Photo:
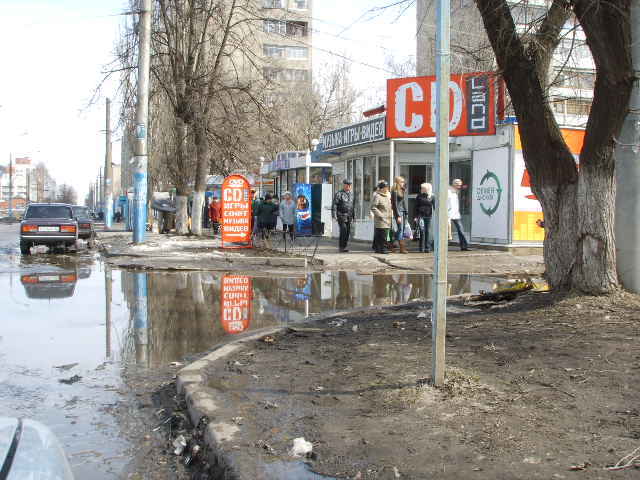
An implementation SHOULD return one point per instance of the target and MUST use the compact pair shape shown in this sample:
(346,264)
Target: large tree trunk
(182,189)
(578,202)
(202,164)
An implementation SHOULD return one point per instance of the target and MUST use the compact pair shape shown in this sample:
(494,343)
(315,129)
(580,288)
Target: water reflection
(174,315)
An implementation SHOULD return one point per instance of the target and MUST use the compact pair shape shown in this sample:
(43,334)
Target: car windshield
(81,212)
(48,211)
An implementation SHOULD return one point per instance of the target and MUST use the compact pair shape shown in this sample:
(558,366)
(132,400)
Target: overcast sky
(53,52)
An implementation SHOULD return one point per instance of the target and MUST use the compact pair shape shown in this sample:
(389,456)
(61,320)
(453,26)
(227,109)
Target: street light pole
(10,185)
(108,173)
(142,113)
(439,312)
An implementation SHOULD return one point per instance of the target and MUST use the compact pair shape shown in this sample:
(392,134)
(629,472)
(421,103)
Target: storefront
(290,168)
(497,204)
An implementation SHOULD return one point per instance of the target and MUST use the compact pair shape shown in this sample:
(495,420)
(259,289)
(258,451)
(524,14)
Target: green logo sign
(489,193)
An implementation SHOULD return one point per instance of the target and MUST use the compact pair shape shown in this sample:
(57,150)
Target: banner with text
(236,303)
(411,106)
(236,212)
(358,134)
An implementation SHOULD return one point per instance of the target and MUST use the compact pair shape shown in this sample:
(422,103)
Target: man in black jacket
(343,212)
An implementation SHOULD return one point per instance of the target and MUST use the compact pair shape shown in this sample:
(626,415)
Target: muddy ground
(535,389)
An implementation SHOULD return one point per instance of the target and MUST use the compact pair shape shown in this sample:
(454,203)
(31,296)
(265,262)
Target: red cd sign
(236,212)
(236,303)
(411,105)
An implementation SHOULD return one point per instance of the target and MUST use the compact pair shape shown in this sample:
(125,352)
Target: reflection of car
(28,449)
(48,285)
(85,224)
(50,224)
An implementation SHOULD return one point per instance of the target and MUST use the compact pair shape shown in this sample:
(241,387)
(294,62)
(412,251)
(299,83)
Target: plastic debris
(180,443)
(192,454)
(71,380)
(301,448)
(268,339)
(422,315)
(176,364)
(39,249)
(396,472)
(354,328)
(579,467)
(68,366)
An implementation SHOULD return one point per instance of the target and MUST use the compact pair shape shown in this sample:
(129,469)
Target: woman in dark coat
(425,203)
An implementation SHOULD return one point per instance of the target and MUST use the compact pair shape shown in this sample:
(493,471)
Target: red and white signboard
(236,303)
(411,105)
(236,212)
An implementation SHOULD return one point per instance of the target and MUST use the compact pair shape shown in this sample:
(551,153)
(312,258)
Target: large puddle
(62,316)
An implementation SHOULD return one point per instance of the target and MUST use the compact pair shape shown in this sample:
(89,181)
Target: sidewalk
(535,390)
(204,253)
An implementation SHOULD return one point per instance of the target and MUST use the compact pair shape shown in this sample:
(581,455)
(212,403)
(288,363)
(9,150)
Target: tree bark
(202,169)
(182,215)
(578,203)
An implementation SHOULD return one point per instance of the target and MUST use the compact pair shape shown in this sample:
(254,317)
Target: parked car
(30,450)
(50,224)
(86,230)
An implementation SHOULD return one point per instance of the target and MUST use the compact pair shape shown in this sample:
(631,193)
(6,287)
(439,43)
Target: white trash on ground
(39,249)
(301,448)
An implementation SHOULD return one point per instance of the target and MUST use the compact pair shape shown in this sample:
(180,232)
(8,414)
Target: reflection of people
(382,216)
(423,212)
(453,209)
(215,214)
(343,213)
(303,203)
(399,204)
(288,213)
(344,299)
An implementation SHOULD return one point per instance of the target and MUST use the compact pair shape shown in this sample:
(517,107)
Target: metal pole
(108,173)
(10,185)
(142,112)
(627,225)
(439,314)
(108,284)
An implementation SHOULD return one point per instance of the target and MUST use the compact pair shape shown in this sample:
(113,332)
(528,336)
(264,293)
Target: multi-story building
(572,72)
(22,179)
(284,41)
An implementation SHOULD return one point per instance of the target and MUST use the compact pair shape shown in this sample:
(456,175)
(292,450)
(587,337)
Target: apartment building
(572,73)
(22,178)
(284,40)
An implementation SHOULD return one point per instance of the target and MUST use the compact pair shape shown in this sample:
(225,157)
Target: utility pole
(10,185)
(627,226)
(100,191)
(28,173)
(439,304)
(142,113)
(108,174)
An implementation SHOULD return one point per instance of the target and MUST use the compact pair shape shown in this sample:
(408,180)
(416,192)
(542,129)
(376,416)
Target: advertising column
(236,303)
(236,212)
(302,194)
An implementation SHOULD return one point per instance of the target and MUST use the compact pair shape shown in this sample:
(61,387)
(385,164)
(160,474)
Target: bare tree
(67,194)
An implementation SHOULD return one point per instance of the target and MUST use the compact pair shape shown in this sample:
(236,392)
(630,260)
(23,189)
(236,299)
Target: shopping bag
(408,232)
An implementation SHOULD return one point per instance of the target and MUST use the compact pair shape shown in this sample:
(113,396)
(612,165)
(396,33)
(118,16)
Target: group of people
(390,212)
(265,213)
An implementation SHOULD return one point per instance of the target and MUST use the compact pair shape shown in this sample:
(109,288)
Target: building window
(296,29)
(300,4)
(357,188)
(578,106)
(272,3)
(368,184)
(275,26)
(383,169)
(274,51)
(297,53)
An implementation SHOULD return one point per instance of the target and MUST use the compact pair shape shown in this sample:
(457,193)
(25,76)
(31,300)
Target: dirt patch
(542,387)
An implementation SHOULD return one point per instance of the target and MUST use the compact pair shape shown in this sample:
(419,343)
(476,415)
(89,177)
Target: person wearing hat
(267,217)
(343,212)
(382,216)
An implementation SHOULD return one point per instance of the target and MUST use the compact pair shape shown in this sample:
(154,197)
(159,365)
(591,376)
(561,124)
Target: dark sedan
(50,224)
(86,230)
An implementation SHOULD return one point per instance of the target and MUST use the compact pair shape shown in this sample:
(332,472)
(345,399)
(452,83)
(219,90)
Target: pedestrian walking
(343,213)
(215,214)
(399,205)
(382,216)
(288,214)
(425,202)
(267,218)
(453,210)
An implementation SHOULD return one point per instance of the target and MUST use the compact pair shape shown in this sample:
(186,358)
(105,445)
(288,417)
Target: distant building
(572,72)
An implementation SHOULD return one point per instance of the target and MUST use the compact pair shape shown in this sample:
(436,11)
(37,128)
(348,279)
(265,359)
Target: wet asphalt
(73,331)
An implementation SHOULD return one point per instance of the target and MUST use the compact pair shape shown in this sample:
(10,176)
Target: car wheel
(91,243)
(25,248)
